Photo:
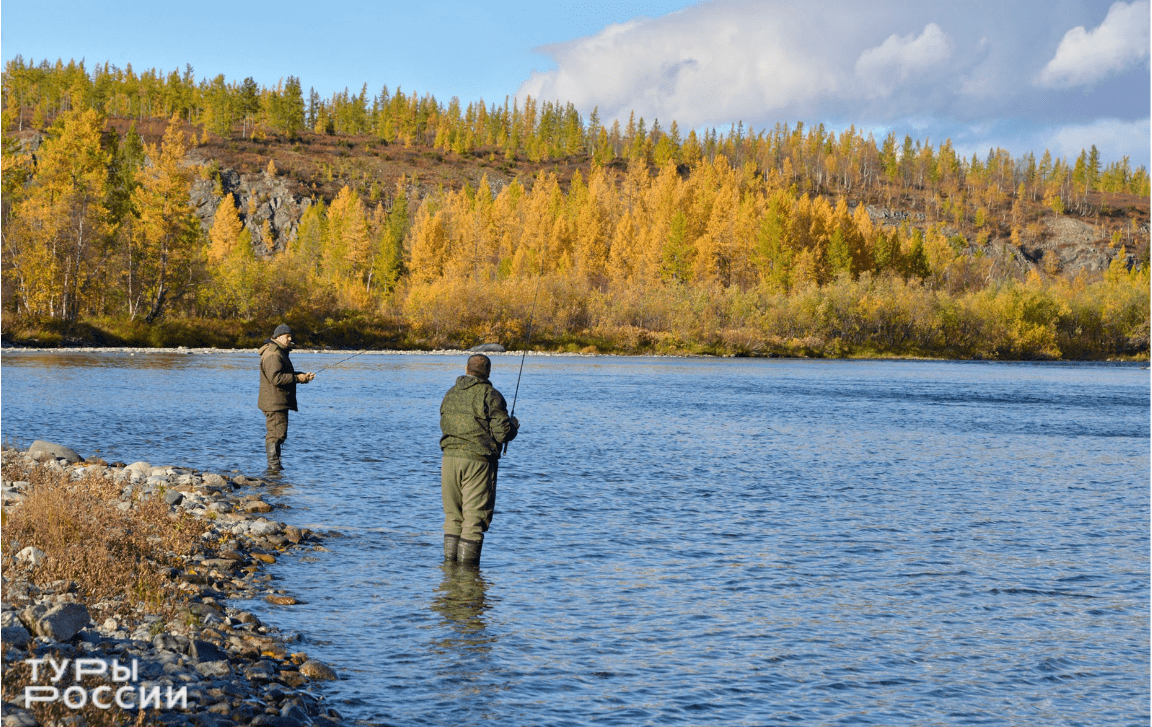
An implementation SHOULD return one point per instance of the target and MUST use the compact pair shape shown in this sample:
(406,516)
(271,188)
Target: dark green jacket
(474,420)
(277,379)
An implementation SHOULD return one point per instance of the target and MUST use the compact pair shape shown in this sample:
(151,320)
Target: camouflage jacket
(474,420)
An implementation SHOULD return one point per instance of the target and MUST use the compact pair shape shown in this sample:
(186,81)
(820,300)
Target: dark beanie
(280,330)
(479,366)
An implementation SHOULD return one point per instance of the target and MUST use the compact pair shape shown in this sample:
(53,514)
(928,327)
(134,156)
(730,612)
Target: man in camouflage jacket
(475,425)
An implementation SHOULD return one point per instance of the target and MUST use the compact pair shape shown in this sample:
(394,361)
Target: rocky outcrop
(1064,244)
(1070,246)
(259,198)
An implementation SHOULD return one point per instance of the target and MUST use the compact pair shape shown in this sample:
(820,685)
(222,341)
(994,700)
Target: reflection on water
(461,601)
(684,541)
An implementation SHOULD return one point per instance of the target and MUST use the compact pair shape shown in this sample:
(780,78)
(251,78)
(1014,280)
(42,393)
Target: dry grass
(117,559)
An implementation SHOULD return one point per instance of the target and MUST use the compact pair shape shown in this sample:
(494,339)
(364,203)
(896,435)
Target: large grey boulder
(41,450)
(60,622)
(488,348)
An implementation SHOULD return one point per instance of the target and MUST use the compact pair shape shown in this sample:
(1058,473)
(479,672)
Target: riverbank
(1019,341)
(118,581)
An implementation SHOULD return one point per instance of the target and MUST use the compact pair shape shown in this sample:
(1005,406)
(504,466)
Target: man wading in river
(475,423)
(278,381)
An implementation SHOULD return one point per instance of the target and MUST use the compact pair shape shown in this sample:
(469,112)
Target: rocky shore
(197,661)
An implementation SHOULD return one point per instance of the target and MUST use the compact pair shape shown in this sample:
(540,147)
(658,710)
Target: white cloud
(1112,137)
(886,66)
(938,69)
(1087,56)
(693,65)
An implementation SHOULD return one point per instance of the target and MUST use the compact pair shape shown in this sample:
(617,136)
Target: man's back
(474,420)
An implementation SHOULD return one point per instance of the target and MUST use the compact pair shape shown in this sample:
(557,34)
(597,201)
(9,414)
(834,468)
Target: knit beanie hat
(479,366)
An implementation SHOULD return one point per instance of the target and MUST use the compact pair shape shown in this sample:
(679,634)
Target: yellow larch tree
(231,262)
(166,240)
(348,249)
(61,240)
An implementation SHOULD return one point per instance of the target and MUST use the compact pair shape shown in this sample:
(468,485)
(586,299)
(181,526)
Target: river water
(683,541)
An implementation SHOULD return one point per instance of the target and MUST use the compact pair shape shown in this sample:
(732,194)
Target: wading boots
(273,449)
(468,552)
(451,542)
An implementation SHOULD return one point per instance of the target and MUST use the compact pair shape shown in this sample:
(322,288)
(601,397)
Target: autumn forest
(421,224)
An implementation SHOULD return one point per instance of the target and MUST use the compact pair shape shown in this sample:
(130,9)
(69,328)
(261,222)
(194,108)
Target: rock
(488,348)
(15,717)
(15,635)
(32,614)
(267,720)
(296,712)
(12,497)
(257,506)
(270,199)
(173,497)
(263,670)
(62,586)
(41,450)
(264,527)
(214,480)
(214,668)
(206,651)
(141,468)
(293,534)
(166,642)
(31,556)
(281,600)
(293,679)
(317,670)
(264,557)
(63,622)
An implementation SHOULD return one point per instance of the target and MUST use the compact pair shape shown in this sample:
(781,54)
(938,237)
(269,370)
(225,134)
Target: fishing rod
(358,353)
(527,343)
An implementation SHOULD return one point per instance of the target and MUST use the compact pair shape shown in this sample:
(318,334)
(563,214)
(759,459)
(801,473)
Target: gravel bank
(230,668)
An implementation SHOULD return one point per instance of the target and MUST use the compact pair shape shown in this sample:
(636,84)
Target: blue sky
(1025,74)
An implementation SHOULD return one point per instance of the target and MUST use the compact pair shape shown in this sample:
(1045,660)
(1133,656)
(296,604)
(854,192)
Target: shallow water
(684,541)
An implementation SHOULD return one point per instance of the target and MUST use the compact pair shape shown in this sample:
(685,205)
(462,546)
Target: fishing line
(527,343)
(358,353)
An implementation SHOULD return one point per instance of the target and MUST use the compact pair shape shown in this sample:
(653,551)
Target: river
(682,540)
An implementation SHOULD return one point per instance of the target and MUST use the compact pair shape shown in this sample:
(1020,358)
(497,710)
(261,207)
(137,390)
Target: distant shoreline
(333,351)
(8,348)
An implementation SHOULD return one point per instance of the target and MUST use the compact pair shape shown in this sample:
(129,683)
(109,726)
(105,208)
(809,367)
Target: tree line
(814,158)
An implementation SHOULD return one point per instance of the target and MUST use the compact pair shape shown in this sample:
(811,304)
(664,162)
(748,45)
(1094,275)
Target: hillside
(371,241)
(317,166)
